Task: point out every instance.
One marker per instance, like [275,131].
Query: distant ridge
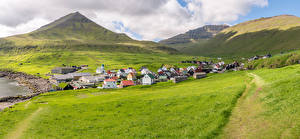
[205,32]
[261,36]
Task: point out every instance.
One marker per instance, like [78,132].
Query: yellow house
[131,77]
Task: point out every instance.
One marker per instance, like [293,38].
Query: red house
[126,83]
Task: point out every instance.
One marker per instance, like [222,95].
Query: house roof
[151,76]
[131,74]
[127,83]
[115,78]
[109,80]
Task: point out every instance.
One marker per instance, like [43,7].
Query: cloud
[142,19]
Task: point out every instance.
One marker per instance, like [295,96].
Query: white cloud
[151,19]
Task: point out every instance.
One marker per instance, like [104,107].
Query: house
[178,79]
[63,70]
[76,76]
[163,78]
[56,79]
[199,75]
[148,79]
[199,69]
[65,86]
[92,79]
[100,70]
[121,73]
[184,71]
[110,84]
[130,70]
[145,71]
[126,83]
[131,76]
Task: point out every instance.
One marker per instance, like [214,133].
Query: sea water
[11,88]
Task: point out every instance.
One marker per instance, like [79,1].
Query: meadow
[263,103]
[191,109]
[40,63]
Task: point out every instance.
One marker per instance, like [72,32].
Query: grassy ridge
[267,35]
[192,109]
[277,61]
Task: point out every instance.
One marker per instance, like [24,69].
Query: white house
[148,79]
[145,71]
[92,79]
[100,70]
[109,84]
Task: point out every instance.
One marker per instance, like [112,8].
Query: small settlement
[68,78]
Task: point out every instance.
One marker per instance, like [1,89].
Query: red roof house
[127,83]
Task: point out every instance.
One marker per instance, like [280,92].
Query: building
[199,75]
[110,84]
[145,71]
[63,70]
[57,79]
[178,79]
[77,76]
[92,79]
[100,70]
[162,78]
[131,76]
[148,79]
[126,83]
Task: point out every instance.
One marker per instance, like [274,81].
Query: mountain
[77,30]
[72,27]
[201,33]
[265,35]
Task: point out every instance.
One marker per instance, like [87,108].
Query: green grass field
[191,109]
[254,104]
[42,62]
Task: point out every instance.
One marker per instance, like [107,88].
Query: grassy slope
[261,36]
[190,109]
[43,61]
[271,109]
[277,61]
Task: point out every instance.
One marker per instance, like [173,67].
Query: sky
[140,19]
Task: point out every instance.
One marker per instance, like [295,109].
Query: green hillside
[41,62]
[266,35]
[258,104]
[78,32]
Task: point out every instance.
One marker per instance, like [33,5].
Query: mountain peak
[76,26]
[205,32]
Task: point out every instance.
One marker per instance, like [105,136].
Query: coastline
[36,86]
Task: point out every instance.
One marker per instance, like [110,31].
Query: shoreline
[36,86]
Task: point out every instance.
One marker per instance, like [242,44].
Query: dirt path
[23,126]
[243,122]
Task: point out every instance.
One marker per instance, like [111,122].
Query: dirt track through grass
[247,108]
[23,125]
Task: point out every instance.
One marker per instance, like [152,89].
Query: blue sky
[275,7]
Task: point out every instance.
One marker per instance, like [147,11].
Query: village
[71,78]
